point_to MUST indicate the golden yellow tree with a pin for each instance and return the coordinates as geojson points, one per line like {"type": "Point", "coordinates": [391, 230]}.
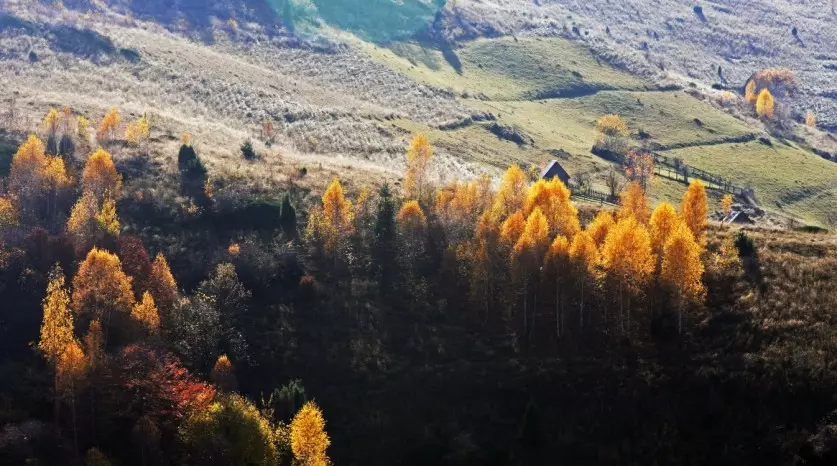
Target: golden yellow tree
{"type": "Point", "coordinates": [600, 226]}
{"type": "Point", "coordinates": [664, 219]}
{"type": "Point", "coordinates": [138, 131]}
{"type": "Point", "coordinates": [557, 261]}
{"type": "Point", "coordinates": [750, 92]}
{"type": "Point", "coordinates": [57, 326]}
{"type": "Point", "coordinates": [101, 290]}
{"type": "Point", "coordinates": [8, 213]}
{"type": "Point", "coordinates": [107, 219]}
{"type": "Point", "coordinates": [331, 225]}
{"type": "Point", "coordinates": [223, 374]}
{"type": "Point", "coordinates": [553, 198]}
{"type": "Point", "coordinates": [162, 285]}
{"type": "Point", "coordinates": [146, 316]}
{"type": "Point", "coordinates": [26, 174]}
{"type": "Point", "coordinates": [82, 224]}
{"type": "Point", "coordinates": [512, 193]}
{"type": "Point", "coordinates": [694, 208]}
{"type": "Point", "coordinates": [69, 374]}
{"type": "Point", "coordinates": [765, 104]}
{"type": "Point", "coordinates": [634, 204]}
{"type": "Point", "coordinates": [50, 123]}
{"type": "Point", "coordinates": [527, 254]}
{"type": "Point", "coordinates": [584, 255]}
{"type": "Point", "coordinates": [682, 269]}
{"type": "Point", "coordinates": [811, 119]}
{"type": "Point", "coordinates": [309, 440]}
{"type": "Point", "coordinates": [726, 204]}
{"type": "Point", "coordinates": [100, 176]}
{"type": "Point", "coordinates": [109, 125]}
{"type": "Point", "coordinates": [418, 163]}
{"type": "Point", "coordinates": [628, 259]}
{"type": "Point", "coordinates": [83, 129]}
{"type": "Point", "coordinates": [612, 131]}
{"type": "Point", "coordinates": [94, 346]}
{"type": "Point", "coordinates": [512, 229]}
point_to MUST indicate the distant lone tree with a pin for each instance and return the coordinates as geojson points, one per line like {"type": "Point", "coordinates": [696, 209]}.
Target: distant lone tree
{"type": "Point", "coordinates": [765, 105]}
{"type": "Point", "coordinates": [811, 119]}
{"type": "Point", "coordinates": [109, 125]}
{"type": "Point", "coordinates": [418, 162]}
{"type": "Point", "coordinates": [309, 439]}
{"type": "Point", "coordinates": [613, 131]}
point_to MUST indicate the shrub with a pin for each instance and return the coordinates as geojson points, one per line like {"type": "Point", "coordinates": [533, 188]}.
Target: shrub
{"type": "Point", "coordinates": [248, 152]}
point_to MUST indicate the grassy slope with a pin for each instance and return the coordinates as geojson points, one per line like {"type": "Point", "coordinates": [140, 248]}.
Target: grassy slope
{"type": "Point", "coordinates": [510, 73]}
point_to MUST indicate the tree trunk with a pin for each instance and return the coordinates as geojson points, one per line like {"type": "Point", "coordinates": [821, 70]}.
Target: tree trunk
{"type": "Point", "coordinates": [557, 310]}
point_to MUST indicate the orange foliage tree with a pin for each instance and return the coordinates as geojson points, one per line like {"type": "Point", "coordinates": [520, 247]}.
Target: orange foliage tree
{"type": "Point", "coordinates": [109, 125]}
{"type": "Point", "coordinates": [613, 131]}
{"type": "Point", "coordinates": [145, 314]}
{"type": "Point", "coordinates": [162, 285]}
{"type": "Point", "coordinates": [682, 269]}
{"type": "Point", "coordinates": [412, 228]}
{"type": "Point", "coordinates": [634, 204]}
{"type": "Point", "coordinates": [8, 213]}
{"type": "Point", "coordinates": [765, 104]}
{"type": "Point", "coordinates": [57, 326]}
{"type": "Point", "coordinates": [694, 208]}
{"type": "Point", "coordinates": [527, 255]}
{"type": "Point", "coordinates": [628, 260]}
{"type": "Point", "coordinates": [600, 226]}
{"type": "Point", "coordinates": [553, 199]}
{"type": "Point", "coordinates": [100, 176]}
{"type": "Point", "coordinates": [512, 193]}
{"type": "Point", "coordinates": [309, 440]}
{"type": "Point", "coordinates": [664, 220]}
{"type": "Point", "coordinates": [102, 291]}
{"type": "Point", "coordinates": [223, 374]}
{"type": "Point", "coordinates": [330, 226]}
{"type": "Point", "coordinates": [26, 174]}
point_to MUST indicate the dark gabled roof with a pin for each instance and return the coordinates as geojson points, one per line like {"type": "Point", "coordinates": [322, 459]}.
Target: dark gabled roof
{"type": "Point", "coordinates": [555, 169]}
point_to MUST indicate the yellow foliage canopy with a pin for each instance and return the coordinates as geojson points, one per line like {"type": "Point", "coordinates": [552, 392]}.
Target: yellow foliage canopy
{"type": "Point", "coordinates": [583, 251]}
{"type": "Point", "coordinates": [57, 325]}
{"type": "Point", "coordinates": [109, 124]}
{"type": "Point", "coordinates": [682, 267]}
{"type": "Point", "coordinates": [553, 199]}
{"type": "Point", "coordinates": [70, 369]}
{"type": "Point", "coordinates": [512, 229]}
{"type": "Point", "coordinates": [811, 119]}
{"type": "Point", "coordinates": [627, 255]}
{"type": "Point", "coordinates": [418, 161]}
{"type": "Point", "coordinates": [600, 226]}
{"type": "Point", "coordinates": [726, 204]}
{"type": "Point", "coordinates": [512, 193]}
{"type": "Point", "coordinates": [664, 220]}
{"type": "Point", "coordinates": [26, 174]}
{"type": "Point", "coordinates": [223, 374]}
{"type": "Point", "coordinates": [612, 125]}
{"type": "Point", "coordinates": [411, 218]}
{"type": "Point", "coordinates": [145, 313]}
{"type": "Point", "coordinates": [765, 104]}
{"type": "Point", "coordinates": [8, 213]}
{"type": "Point", "coordinates": [107, 219]}
{"type": "Point", "coordinates": [101, 287]}
{"type": "Point", "coordinates": [634, 203]}
{"type": "Point", "coordinates": [100, 176]}
{"type": "Point", "coordinates": [309, 440]}
{"type": "Point", "coordinates": [161, 284]}
{"type": "Point", "coordinates": [82, 223]}
{"type": "Point", "coordinates": [331, 225]}
{"type": "Point", "coordinates": [694, 208]}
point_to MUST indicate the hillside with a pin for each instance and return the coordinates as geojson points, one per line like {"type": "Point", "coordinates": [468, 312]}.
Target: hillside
{"type": "Point", "coordinates": [335, 97]}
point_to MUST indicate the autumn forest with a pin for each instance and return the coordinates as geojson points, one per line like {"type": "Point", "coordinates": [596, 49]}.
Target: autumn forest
{"type": "Point", "coordinates": [467, 323]}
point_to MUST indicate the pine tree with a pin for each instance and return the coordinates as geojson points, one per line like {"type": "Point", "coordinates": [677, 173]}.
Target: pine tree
{"type": "Point", "coordinates": [309, 441]}
{"type": "Point", "coordinates": [288, 217]}
{"type": "Point", "coordinates": [385, 250]}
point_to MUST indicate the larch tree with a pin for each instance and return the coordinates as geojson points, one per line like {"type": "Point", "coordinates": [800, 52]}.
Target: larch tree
{"type": "Point", "coordinates": [726, 204]}
{"type": "Point", "coordinates": [613, 131]}
{"type": "Point", "coordinates": [109, 125]}
{"type": "Point", "coordinates": [223, 374]}
{"type": "Point", "coordinates": [8, 213]}
{"type": "Point", "coordinates": [102, 291]}
{"type": "Point", "coordinates": [69, 375]}
{"type": "Point", "coordinates": [418, 164]}
{"type": "Point", "coordinates": [57, 326]}
{"type": "Point", "coordinates": [628, 260]}
{"type": "Point", "coordinates": [512, 229]}
{"type": "Point", "coordinates": [600, 226]}
{"type": "Point", "coordinates": [162, 285]}
{"type": "Point", "coordinates": [82, 224]}
{"type": "Point", "coordinates": [331, 225]}
{"type": "Point", "coordinates": [56, 180]}
{"type": "Point", "coordinates": [553, 199]}
{"type": "Point", "coordinates": [100, 176]}
{"type": "Point", "coordinates": [309, 440]}
{"type": "Point", "coordinates": [83, 130]}
{"type": "Point", "coordinates": [664, 220]}
{"type": "Point", "coordinates": [694, 207]}
{"type": "Point", "coordinates": [557, 262]}
{"type": "Point", "coordinates": [138, 131]}
{"type": "Point", "coordinates": [106, 218]}
{"type": "Point", "coordinates": [50, 124]}
{"type": "Point", "coordinates": [750, 92]}
{"type": "Point", "coordinates": [412, 229]}
{"type": "Point", "coordinates": [634, 204]}
{"type": "Point", "coordinates": [527, 256]}
{"type": "Point", "coordinates": [811, 119]}
{"type": "Point", "coordinates": [682, 269]}
{"type": "Point", "coordinates": [26, 174]}
{"type": "Point", "coordinates": [146, 316]}
{"type": "Point", "coordinates": [94, 346]}
{"type": "Point", "coordinates": [584, 256]}
{"type": "Point", "coordinates": [765, 104]}
{"type": "Point", "coordinates": [511, 195]}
